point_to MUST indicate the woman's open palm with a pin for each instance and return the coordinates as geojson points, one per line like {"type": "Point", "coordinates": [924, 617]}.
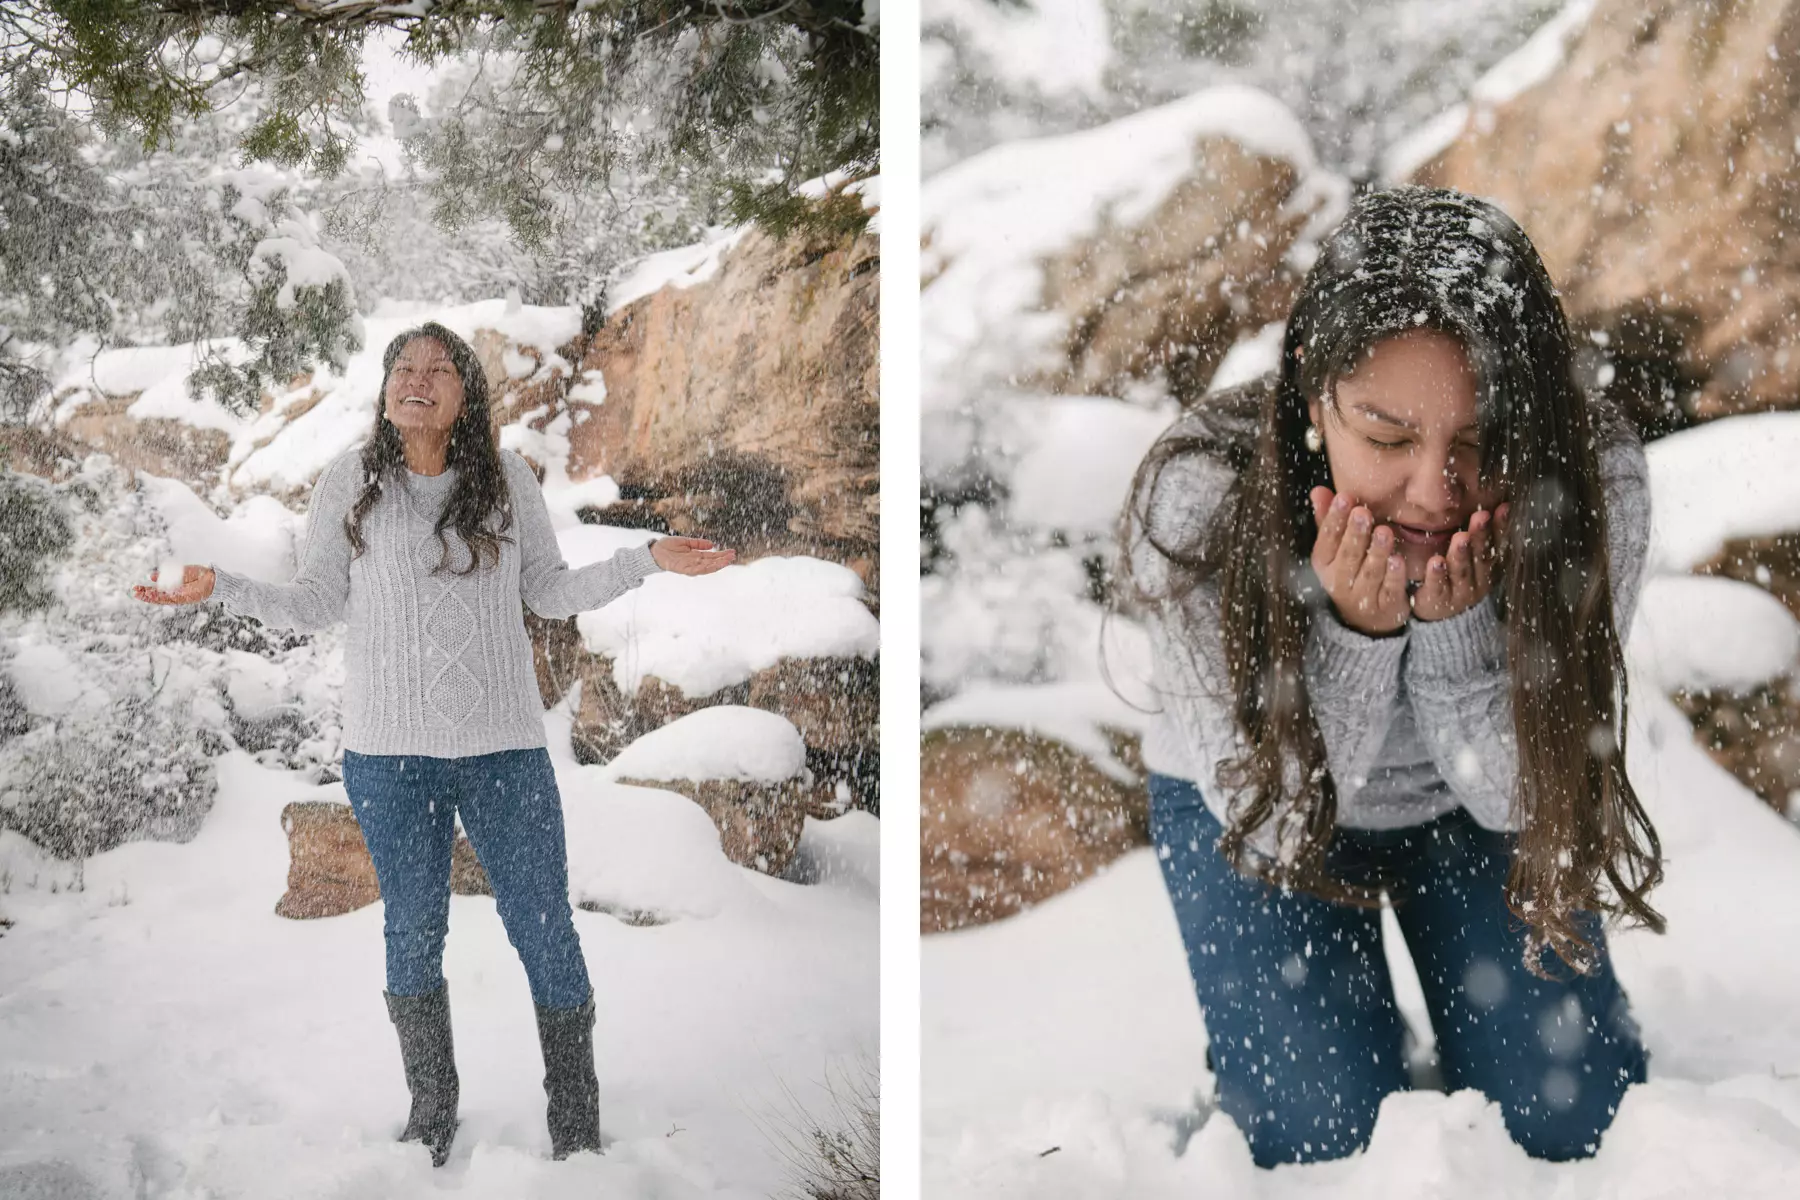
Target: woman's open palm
{"type": "Point", "coordinates": [196, 585]}
{"type": "Point", "coordinates": [690, 556]}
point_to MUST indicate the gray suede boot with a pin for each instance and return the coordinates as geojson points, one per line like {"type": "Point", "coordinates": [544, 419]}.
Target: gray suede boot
{"type": "Point", "coordinates": [567, 1038]}
{"type": "Point", "coordinates": [429, 1056]}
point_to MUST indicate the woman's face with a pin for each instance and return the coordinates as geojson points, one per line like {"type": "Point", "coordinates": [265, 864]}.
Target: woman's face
{"type": "Point", "coordinates": [424, 393]}
{"type": "Point", "coordinates": [1402, 439]}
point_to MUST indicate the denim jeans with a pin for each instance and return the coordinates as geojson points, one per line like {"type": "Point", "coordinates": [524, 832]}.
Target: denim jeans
{"type": "Point", "coordinates": [1305, 1036]}
{"type": "Point", "coordinates": [407, 806]}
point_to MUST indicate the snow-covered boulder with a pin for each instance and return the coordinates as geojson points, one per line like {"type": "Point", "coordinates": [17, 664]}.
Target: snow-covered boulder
{"type": "Point", "coordinates": [792, 636]}
{"type": "Point", "coordinates": [1133, 253]}
{"type": "Point", "coordinates": [645, 854]}
{"type": "Point", "coordinates": [745, 767]}
{"type": "Point", "coordinates": [1696, 632]}
{"type": "Point", "coordinates": [1023, 792]}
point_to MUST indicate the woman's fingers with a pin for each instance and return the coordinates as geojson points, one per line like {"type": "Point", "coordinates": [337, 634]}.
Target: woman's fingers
{"type": "Point", "coordinates": [1331, 532]}
{"type": "Point", "coordinates": [1355, 545]}
{"type": "Point", "coordinates": [1370, 575]}
{"type": "Point", "coordinates": [1481, 550]}
{"type": "Point", "coordinates": [1391, 601]}
{"type": "Point", "coordinates": [1432, 601]}
{"type": "Point", "coordinates": [1462, 572]}
{"type": "Point", "coordinates": [1321, 504]}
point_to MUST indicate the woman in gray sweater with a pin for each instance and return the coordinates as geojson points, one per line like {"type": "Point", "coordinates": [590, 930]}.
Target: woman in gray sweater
{"type": "Point", "coordinates": [1386, 588]}
{"type": "Point", "coordinates": [427, 540]}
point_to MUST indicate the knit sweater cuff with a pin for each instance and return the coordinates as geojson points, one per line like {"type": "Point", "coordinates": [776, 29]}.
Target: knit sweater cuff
{"type": "Point", "coordinates": [1473, 642]}
{"type": "Point", "coordinates": [1355, 661]}
{"type": "Point", "coordinates": [229, 589]}
{"type": "Point", "coordinates": [638, 561]}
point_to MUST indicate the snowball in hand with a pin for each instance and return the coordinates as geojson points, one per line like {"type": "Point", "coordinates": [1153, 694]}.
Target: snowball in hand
{"type": "Point", "coordinates": [169, 575]}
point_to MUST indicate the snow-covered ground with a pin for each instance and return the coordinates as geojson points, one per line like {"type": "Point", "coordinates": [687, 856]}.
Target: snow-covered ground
{"type": "Point", "coordinates": [164, 1034]}
{"type": "Point", "coordinates": [1063, 1050]}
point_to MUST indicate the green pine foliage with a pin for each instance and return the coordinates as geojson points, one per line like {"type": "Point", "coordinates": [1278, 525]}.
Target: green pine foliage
{"type": "Point", "coordinates": [590, 131]}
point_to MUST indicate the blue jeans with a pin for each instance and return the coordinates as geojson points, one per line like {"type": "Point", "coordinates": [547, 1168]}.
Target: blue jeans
{"type": "Point", "coordinates": [1305, 1036]}
{"type": "Point", "coordinates": [407, 807]}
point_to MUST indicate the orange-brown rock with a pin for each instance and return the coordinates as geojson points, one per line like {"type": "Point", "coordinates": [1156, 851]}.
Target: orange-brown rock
{"type": "Point", "coordinates": [557, 655]}
{"type": "Point", "coordinates": [1171, 293]}
{"type": "Point", "coordinates": [47, 454]}
{"type": "Point", "coordinates": [835, 703]}
{"type": "Point", "coordinates": [1008, 819]}
{"type": "Point", "coordinates": [1656, 170]}
{"type": "Point", "coordinates": [759, 823]}
{"type": "Point", "coordinates": [745, 408]}
{"type": "Point", "coordinates": [329, 871]}
{"type": "Point", "coordinates": [1755, 736]}
{"type": "Point", "coordinates": [154, 444]}
{"type": "Point", "coordinates": [607, 720]}
{"type": "Point", "coordinates": [1771, 563]}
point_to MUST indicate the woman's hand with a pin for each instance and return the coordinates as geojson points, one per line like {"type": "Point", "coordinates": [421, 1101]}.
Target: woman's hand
{"type": "Point", "coordinates": [690, 556]}
{"type": "Point", "coordinates": [196, 585]}
{"type": "Point", "coordinates": [1460, 582]}
{"type": "Point", "coordinates": [1355, 560]}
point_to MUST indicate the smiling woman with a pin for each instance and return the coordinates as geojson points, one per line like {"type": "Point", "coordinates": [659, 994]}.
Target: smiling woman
{"type": "Point", "coordinates": [1385, 587]}
{"type": "Point", "coordinates": [430, 541]}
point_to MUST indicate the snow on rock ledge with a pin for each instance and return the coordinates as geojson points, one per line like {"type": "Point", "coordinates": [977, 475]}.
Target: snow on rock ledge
{"type": "Point", "coordinates": [1723, 480]}
{"type": "Point", "coordinates": [725, 742]}
{"type": "Point", "coordinates": [1137, 250]}
{"type": "Point", "coordinates": [1705, 632]}
{"type": "Point", "coordinates": [643, 854]}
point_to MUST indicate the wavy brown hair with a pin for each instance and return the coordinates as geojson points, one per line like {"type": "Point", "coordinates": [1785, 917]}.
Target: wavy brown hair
{"type": "Point", "coordinates": [1403, 259]}
{"type": "Point", "coordinates": [479, 508]}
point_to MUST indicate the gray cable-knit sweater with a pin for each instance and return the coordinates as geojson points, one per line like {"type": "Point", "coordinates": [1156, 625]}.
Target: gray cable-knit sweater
{"type": "Point", "coordinates": [1414, 724]}
{"type": "Point", "coordinates": [436, 665]}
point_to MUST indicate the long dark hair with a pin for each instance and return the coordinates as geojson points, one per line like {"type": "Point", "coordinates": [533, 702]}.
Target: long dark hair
{"type": "Point", "coordinates": [479, 494]}
{"type": "Point", "coordinates": [1403, 259]}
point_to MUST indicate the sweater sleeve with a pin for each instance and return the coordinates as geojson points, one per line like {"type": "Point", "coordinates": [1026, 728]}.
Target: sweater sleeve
{"type": "Point", "coordinates": [316, 596]}
{"type": "Point", "coordinates": [1353, 683]}
{"type": "Point", "coordinates": [1457, 668]}
{"type": "Point", "coordinates": [549, 587]}
{"type": "Point", "coordinates": [1352, 679]}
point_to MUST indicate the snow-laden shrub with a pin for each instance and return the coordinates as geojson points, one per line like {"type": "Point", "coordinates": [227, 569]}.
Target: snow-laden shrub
{"type": "Point", "coordinates": [86, 782]}
{"type": "Point", "coordinates": [34, 531]}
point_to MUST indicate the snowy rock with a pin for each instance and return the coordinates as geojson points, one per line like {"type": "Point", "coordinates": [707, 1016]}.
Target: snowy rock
{"type": "Point", "coordinates": [1721, 481]}
{"type": "Point", "coordinates": [725, 742]}
{"type": "Point", "coordinates": [745, 767]}
{"type": "Point", "coordinates": [717, 430]}
{"type": "Point", "coordinates": [1135, 251]}
{"type": "Point", "coordinates": [1611, 158]}
{"type": "Point", "coordinates": [160, 445]}
{"type": "Point", "coordinates": [646, 855]}
{"type": "Point", "coordinates": [1700, 632]}
{"type": "Point", "coordinates": [1009, 819]}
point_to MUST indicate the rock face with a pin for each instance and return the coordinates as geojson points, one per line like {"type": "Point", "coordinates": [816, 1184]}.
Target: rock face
{"type": "Point", "coordinates": [1756, 737]}
{"type": "Point", "coordinates": [1172, 293]}
{"type": "Point", "coordinates": [329, 871]}
{"type": "Point", "coordinates": [759, 824]}
{"type": "Point", "coordinates": [1656, 169]}
{"type": "Point", "coordinates": [712, 426]}
{"type": "Point", "coordinates": [1008, 819]}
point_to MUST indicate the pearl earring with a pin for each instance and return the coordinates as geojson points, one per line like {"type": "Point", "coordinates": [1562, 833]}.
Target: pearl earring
{"type": "Point", "coordinates": [1315, 441]}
